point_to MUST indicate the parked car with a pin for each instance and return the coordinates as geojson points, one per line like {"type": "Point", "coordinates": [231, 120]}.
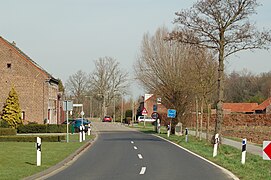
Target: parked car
{"type": "Point", "coordinates": [147, 119]}
{"type": "Point", "coordinates": [77, 123]}
{"type": "Point", "coordinates": [107, 119]}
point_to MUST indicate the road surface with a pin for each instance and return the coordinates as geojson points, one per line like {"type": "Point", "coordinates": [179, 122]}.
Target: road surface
{"type": "Point", "coordinates": [124, 154]}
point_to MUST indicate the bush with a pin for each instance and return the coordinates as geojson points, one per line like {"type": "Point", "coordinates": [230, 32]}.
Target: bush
{"type": "Point", "coordinates": [4, 124]}
{"type": "Point", "coordinates": [20, 138]}
{"type": "Point", "coordinates": [7, 131]}
{"type": "Point", "coordinates": [42, 128]}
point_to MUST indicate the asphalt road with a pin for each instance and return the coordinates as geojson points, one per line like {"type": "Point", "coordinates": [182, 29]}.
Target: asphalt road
{"type": "Point", "coordinates": [123, 154]}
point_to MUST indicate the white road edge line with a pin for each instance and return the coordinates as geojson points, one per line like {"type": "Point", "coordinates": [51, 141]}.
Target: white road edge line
{"type": "Point", "coordinates": [140, 156]}
{"type": "Point", "coordinates": [223, 169]}
{"type": "Point", "coordinates": [143, 169]}
{"type": "Point", "coordinates": [132, 142]}
{"type": "Point", "coordinates": [135, 147]}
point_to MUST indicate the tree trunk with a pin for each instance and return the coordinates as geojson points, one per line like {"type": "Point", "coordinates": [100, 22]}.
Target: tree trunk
{"type": "Point", "coordinates": [219, 109]}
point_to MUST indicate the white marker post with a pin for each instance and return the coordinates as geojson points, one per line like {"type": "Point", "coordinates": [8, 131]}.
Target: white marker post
{"type": "Point", "coordinates": [89, 129]}
{"type": "Point", "coordinates": [244, 150]}
{"type": "Point", "coordinates": [158, 126]}
{"type": "Point", "coordinates": [216, 145]}
{"type": "Point", "coordinates": [84, 134]}
{"type": "Point", "coordinates": [168, 130]}
{"type": "Point", "coordinates": [186, 134]}
{"type": "Point", "coordinates": [80, 133]}
{"type": "Point", "coordinates": [38, 151]}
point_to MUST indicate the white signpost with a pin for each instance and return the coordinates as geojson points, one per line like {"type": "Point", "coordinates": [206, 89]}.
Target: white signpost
{"type": "Point", "coordinates": [216, 145]}
{"type": "Point", "coordinates": [144, 113]}
{"type": "Point", "coordinates": [67, 106]}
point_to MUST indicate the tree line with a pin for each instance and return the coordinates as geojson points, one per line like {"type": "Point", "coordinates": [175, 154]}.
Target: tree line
{"type": "Point", "coordinates": [186, 64]}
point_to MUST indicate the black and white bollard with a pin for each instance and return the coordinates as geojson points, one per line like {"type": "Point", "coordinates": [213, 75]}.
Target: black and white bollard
{"type": "Point", "coordinates": [186, 134]}
{"type": "Point", "coordinates": [216, 145]}
{"type": "Point", "coordinates": [168, 130]}
{"type": "Point", "coordinates": [158, 126]}
{"type": "Point", "coordinates": [80, 133]}
{"type": "Point", "coordinates": [84, 134]}
{"type": "Point", "coordinates": [38, 151]}
{"type": "Point", "coordinates": [244, 147]}
{"type": "Point", "coordinates": [89, 129]}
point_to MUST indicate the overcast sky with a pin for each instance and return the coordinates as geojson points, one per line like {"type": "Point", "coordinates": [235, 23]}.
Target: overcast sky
{"type": "Point", "coordinates": [64, 36]}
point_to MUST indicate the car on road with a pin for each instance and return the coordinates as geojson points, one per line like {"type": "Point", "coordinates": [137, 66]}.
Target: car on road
{"type": "Point", "coordinates": [107, 119]}
{"type": "Point", "coordinates": [147, 119]}
{"type": "Point", "coordinates": [77, 123]}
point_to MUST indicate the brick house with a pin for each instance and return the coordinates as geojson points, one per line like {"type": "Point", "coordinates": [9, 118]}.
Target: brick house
{"type": "Point", "coordinates": [36, 88]}
{"type": "Point", "coordinates": [264, 107]}
{"type": "Point", "coordinates": [151, 100]}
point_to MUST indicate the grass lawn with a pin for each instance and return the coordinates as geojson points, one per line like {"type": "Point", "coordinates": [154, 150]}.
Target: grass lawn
{"type": "Point", "coordinates": [228, 157]}
{"type": "Point", "coordinates": [18, 159]}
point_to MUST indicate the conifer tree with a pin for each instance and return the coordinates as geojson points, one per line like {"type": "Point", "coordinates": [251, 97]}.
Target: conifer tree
{"type": "Point", "coordinates": [12, 111]}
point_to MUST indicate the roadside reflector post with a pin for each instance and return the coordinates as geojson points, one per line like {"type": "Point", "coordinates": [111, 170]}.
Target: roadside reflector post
{"type": "Point", "coordinates": [158, 126]}
{"type": "Point", "coordinates": [216, 145]}
{"type": "Point", "coordinates": [89, 129]}
{"type": "Point", "coordinates": [80, 133]}
{"type": "Point", "coordinates": [84, 134]}
{"type": "Point", "coordinates": [186, 134]}
{"type": "Point", "coordinates": [38, 151]}
{"type": "Point", "coordinates": [244, 146]}
{"type": "Point", "coordinates": [168, 129]}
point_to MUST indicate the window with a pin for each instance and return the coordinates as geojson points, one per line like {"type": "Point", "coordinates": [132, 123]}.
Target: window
{"type": "Point", "coordinates": [9, 65]}
{"type": "Point", "coordinates": [23, 115]}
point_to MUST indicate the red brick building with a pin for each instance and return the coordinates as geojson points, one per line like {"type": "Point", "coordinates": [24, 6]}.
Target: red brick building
{"type": "Point", "coordinates": [36, 88]}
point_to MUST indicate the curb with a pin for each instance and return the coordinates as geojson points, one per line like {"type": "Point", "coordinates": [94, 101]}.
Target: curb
{"type": "Point", "coordinates": [64, 163]}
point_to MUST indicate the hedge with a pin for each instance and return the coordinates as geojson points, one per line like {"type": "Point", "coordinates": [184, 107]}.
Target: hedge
{"type": "Point", "coordinates": [19, 138]}
{"type": "Point", "coordinates": [7, 131]}
{"type": "Point", "coordinates": [43, 128]}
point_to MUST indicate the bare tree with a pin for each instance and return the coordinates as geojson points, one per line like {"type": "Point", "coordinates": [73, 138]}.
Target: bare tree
{"type": "Point", "coordinates": [163, 68]}
{"type": "Point", "coordinates": [224, 27]}
{"type": "Point", "coordinates": [77, 86]}
{"type": "Point", "coordinates": [107, 81]}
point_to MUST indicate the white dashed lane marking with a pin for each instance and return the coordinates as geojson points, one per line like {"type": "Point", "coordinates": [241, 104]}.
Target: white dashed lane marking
{"type": "Point", "coordinates": [140, 156]}
{"type": "Point", "coordinates": [143, 169]}
{"type": "Point", "coordinates": [132, 142]}
{"type": "Point", "coordinates": [135, 147]}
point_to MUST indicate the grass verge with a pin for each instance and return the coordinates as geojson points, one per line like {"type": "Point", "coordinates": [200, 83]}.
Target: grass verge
{"type": "Point", "coordinates": [18, 159]}
{"type": "Point", "coordinates": [228, 157]}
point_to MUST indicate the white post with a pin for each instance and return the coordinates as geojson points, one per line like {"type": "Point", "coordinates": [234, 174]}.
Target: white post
{"type": "Point", "coordinates": [67, 121]}
{"type": "Point", "coordinates": [84, 134]}
{"type": "Point", "coordinates": [80, 133]}
{"type": "Point", "coordinates": [244, 144]}
{"type": "Point", "coordinates": [158, 126]}
{"type": "Point", "coordinates": [186, 134]}
{"type": "Point", "coordinates": [144, 121]}
{"type": "Point", "coordinates": [89, 129]}
{"type": "Point", "coordinates": [38, 151]}
{"type": "Point", "coordinates": [168, 130]}
{"type": "Point", "coordinates": [216, 145]}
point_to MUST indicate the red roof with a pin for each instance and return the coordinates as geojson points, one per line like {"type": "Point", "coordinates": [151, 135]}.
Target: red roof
{"type": "Point", "coordinates": [240, 107]}
{"type": "Point", "coordinates": [264, 105]}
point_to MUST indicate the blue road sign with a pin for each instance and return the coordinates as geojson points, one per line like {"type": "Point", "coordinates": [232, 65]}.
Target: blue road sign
{"type": "Point", "coordinates": [171, 113]}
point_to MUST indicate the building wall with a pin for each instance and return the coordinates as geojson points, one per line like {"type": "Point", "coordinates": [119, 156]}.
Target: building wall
{"type": "Point", "coordinates": [29, 81]}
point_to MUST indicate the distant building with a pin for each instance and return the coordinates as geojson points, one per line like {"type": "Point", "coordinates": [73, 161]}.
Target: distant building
{"type": "Point", "coordinates": [36, 88]}
{"type": "Point", "coordinates": [149, 101]}
{"type": "Point", "coordinates": [264, 108]}
{"type": "Point", "coordinates": [245, 108]}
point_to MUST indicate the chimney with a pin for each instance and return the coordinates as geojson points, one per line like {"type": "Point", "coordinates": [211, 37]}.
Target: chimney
{"type": "Point", "coordinates": [13, 43]}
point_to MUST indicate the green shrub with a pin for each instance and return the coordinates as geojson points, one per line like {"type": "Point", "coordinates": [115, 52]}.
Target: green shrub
{"type": "Point", "coordinates": [3, 124]}
{"type": "Point", "coordinates": [42, 128]}
{"type": "Point", "coordinates": [20, 138]}
{"type": "Point", "coordinates": [7, 131]}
